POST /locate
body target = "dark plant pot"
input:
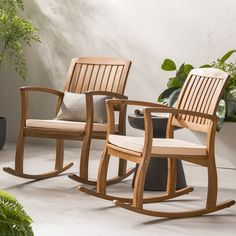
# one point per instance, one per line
(3, 124)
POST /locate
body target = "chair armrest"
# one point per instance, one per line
(24, 99)
(41, 89)
(175, 111)
(134, 103)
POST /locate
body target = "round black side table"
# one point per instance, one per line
(156, 177)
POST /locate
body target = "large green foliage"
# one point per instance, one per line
(183, 71)
(15, 33)
(227, 107)
(14, 221)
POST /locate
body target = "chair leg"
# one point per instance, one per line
(102, 172)
(59, 154)
(122, 167)
(171, 177)
(84, 159)
(212, 186)
(139, 184)
(19, 155)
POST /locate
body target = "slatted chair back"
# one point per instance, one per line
(201, 92)
(96, 73)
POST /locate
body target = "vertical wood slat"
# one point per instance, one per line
(217, 96)
(190, 99)
(70, 74)
(118, 75)
(123, 80)
(87, 78)
(215, 99)
(184, 96)
(94, 77)
(204, 98)
(81, 77)
(201, 97)
(75, 77)
(196, 98)
(210, 95)
(100, 77)
(105, 78)
(111, 78)
(207, 93)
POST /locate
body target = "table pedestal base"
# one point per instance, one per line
(156, 177)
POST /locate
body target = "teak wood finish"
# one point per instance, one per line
(91, 76)
(195, 110)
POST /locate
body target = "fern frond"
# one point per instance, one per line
(14, 220)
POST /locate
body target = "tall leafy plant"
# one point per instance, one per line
(14, 221)
(227, 106)
(15, 33)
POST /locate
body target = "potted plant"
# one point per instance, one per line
(14, 220)
(15, 33)
(227, 107)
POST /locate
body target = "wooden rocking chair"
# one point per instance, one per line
(195, 110)
(90, 76)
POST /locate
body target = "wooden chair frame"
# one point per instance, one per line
(207, 125)
(60, 136)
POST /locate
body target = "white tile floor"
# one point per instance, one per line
(59, 209)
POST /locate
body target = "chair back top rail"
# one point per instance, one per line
(97, 73)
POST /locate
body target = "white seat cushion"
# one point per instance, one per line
(164, 146)
(62, 125)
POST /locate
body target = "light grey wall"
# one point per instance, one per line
(146, 32)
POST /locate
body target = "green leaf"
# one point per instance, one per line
(165, 94)
(226, 56)
(187, 68)
(174, 83)
(181, 76)
(14, 220)
(181, 69)
(205, 66)
(168, 65)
